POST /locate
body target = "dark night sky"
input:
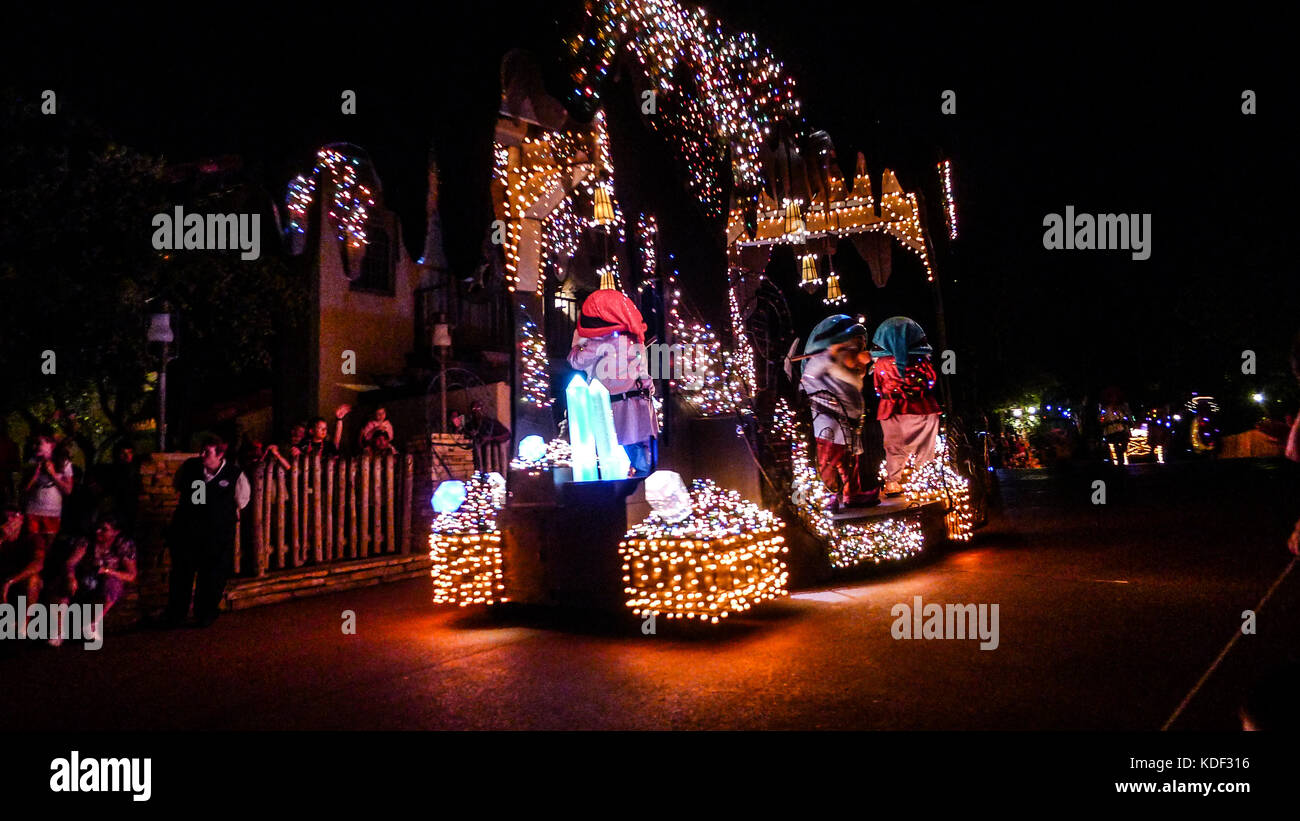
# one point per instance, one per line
(1112, 114)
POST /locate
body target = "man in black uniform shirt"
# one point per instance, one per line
(202, 536)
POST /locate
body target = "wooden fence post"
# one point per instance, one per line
(390, 516)
(259, 488)
(354, 492)
(340, 507)
(327, 505)
(281, 506)
(317, 499)
(364, 547)
(377, 505)
(295, 504)
(304, 510)
(326, 509)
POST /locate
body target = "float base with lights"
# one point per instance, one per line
(567, 526)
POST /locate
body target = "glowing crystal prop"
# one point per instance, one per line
(667, 495)
(449, 496)
(597, 455)
(532, 448)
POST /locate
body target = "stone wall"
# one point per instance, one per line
(455, 459)
(158, 502)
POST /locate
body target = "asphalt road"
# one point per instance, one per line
(1108, 617)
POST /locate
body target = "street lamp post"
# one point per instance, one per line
(160, 331)
(442, 342)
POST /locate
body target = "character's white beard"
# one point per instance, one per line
(843, 374)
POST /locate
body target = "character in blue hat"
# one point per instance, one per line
(836, 361)
(908, 410)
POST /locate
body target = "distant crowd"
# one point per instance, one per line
(309, 438)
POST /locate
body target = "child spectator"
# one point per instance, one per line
(379, 422)
(379, 445)
(319, 440)
(99, 568)
(909, 412)
(292, 448)
(50, 482)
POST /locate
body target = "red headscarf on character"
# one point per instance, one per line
(607, 311)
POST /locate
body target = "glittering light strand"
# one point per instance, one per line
(949, 201)
(465, 548)
(350, 204)
(717, 94)
(534, 364)
(722, 559)
(851, 544)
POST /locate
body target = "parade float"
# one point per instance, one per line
(735, 511)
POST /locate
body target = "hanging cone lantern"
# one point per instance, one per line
(607, 279)
(602, 206)
(809, 281)
(834, 295)
(794, 223)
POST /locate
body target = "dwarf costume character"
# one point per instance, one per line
(832, 379)
(908, 411)
(609, 346)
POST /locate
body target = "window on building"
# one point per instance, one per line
(377, 267)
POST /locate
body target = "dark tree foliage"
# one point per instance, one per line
(79, 277)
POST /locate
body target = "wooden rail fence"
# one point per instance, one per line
(325, 509)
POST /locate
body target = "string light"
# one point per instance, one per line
(351, 201)
(937, 481)
(465, 548)
(560, 235)
(707, 378)
(717, 94)
(544, 165)
(742, 364)
(647, 232)
(899, 218)
(848, 544)
(949, 201)
(559, 454)
(722, 559)
(535, 381)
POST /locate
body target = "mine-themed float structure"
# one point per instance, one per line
(751, 518)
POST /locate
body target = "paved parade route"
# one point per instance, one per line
(1106, 618)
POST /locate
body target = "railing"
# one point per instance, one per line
(324, 510)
